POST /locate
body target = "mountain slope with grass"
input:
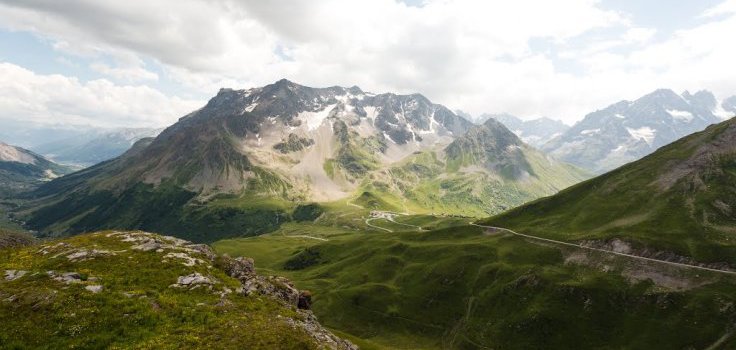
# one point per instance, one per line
(243, 163)
(463, 287)
(140, 290)
(678, 203)
(485, 171)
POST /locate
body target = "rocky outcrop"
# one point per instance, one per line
(171, 276)
(281, 289)
(293, 143)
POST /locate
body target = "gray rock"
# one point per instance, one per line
(94, 288)
(241, 268)
(66, 278)
(78, 255)
(11, 275)
(193, 280)
(148, 245)
(308, 322)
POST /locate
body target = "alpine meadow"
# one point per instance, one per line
(392, 174)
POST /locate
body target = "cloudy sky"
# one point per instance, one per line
(146, 63)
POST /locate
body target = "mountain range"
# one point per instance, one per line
(251, 154)
(366, 201)
(536, 132)
(639, 258)
(93, 146)
(21, 169)
(677, 203)
(628, 130)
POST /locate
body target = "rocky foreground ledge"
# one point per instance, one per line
(133, 289)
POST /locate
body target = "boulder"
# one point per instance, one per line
(192, 280)
(240, 268)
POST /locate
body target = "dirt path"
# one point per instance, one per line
(605, 251)
(354, 205)
(367, 222)
(419, 228)
(310, 237)
(722, 340)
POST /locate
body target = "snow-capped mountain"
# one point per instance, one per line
(290, 143)
(535, 132)
(627, 131)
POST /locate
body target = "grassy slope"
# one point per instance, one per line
(423, 183)
(38, 312)
(629, 203)
(457, 288)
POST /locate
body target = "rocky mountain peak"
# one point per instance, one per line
(703, 98)
(626, 131)
(729, 104)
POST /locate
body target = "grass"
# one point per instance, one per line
(136, 308)
(425, 183)
(458, 288)
(691, 217)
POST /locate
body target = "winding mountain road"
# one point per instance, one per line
(604, 250)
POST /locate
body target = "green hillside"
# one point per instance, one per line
(462, 288)
(679, 201)
(486, 171)
(115, 290)
(241, 165)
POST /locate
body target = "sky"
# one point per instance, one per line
(111, 63)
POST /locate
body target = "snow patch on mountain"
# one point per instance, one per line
(683, 116)
(315, 119)
(610, 137)
(645, 133)
(590, 131)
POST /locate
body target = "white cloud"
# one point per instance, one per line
(129, 74)
(468, 54)
(47, 99)
(725, 8)
(445, 49)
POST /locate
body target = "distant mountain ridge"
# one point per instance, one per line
(284, 143)
(677, 203)
(94, 146)
(535, 132)
(21, 169)
(629, 130)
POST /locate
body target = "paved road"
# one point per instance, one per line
(605, 250)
